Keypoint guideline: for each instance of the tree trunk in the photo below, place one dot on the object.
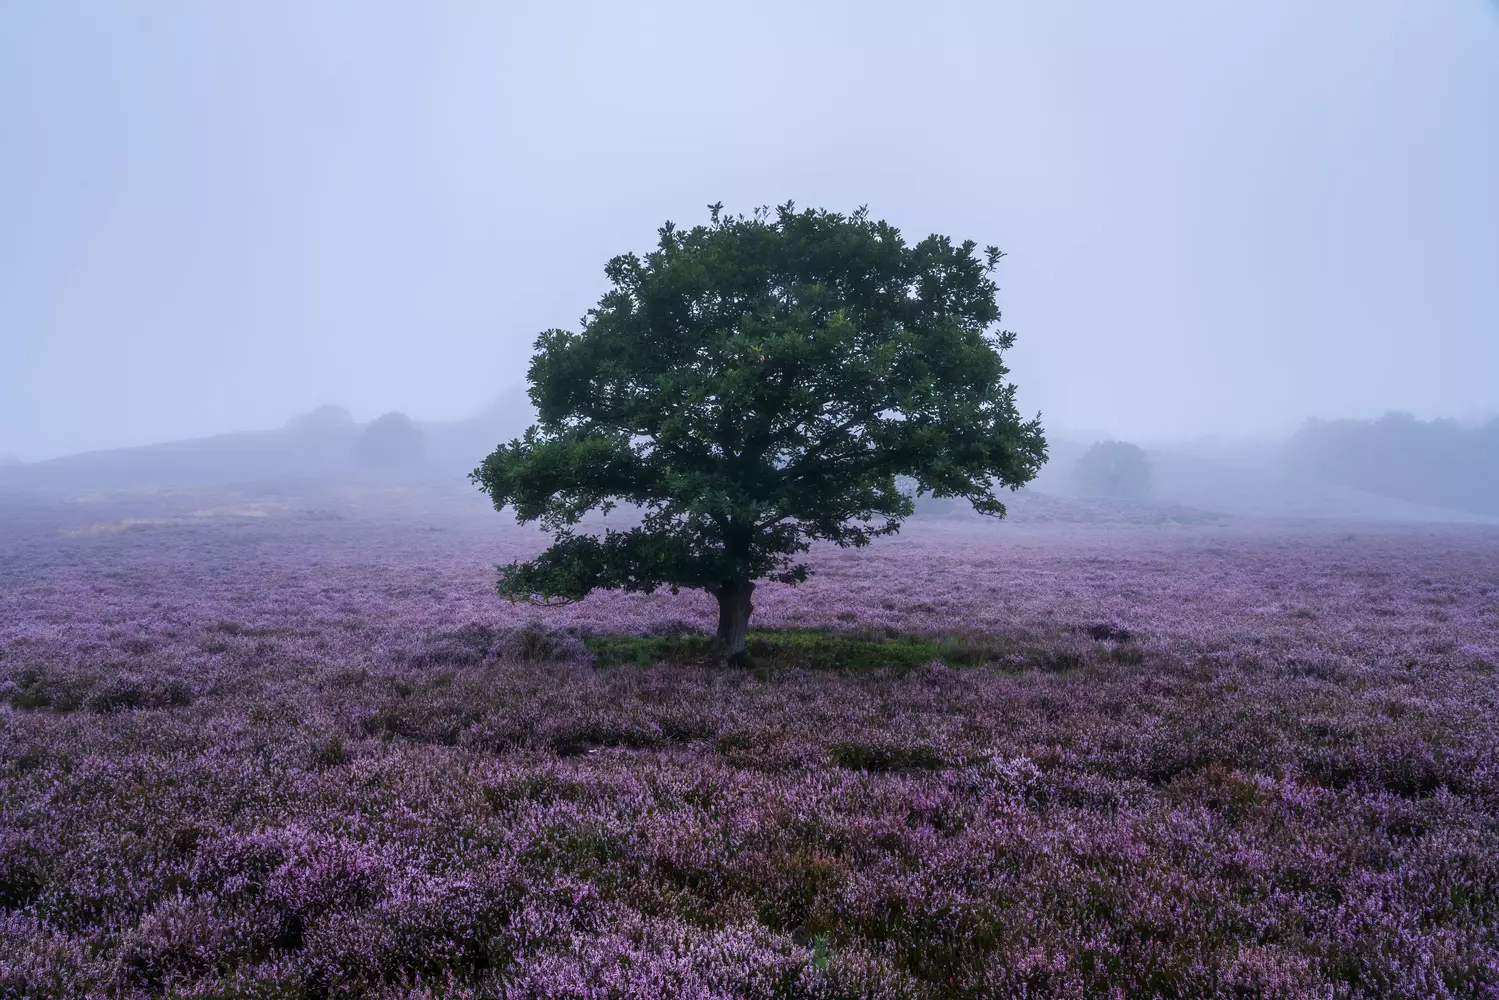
(734, 610)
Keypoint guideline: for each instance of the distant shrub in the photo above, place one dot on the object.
(324, 419)
(1113, 469)
(391, 440)
(926, 505)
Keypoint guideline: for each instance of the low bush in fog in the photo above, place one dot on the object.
(391, 440)
(323, 420)
(1437, 462)
(1113, 469)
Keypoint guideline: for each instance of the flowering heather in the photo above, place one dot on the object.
(291, 745)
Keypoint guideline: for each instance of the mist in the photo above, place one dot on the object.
(794, 655)
(1221, 220)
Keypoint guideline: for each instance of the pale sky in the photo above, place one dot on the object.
(1221, 217)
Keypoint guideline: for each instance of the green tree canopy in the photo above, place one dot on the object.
(753, 385)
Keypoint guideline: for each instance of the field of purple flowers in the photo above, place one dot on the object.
(292, 746)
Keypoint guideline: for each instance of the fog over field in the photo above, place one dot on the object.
(331, 333)
(1221, 219)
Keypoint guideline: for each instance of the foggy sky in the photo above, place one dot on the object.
(1221, 217)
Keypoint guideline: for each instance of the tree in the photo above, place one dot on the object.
(391, 440)
(323, 420)
(753, 385)
(1113, 469)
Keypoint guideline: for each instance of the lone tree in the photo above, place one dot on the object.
(753, 385)
(1114, 469)
(391, 439)
(328, 419)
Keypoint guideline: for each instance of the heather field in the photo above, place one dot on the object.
(287, 743)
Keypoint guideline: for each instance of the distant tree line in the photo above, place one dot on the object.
(1438, 462)
(323, 420)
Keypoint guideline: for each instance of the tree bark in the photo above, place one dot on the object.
(734, 609)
